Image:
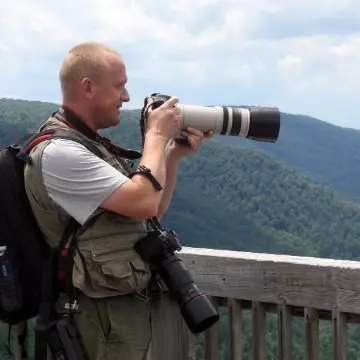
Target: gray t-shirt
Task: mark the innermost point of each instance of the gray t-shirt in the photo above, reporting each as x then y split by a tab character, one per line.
76	179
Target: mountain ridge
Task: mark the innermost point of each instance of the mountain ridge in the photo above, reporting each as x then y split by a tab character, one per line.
267	196
324	151
243	195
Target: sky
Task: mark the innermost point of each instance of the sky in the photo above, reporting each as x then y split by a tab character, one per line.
300	56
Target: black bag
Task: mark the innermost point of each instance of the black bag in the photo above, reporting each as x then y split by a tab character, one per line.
64	341
23	250
27	287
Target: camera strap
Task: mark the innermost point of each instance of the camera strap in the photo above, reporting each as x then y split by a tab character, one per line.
73	121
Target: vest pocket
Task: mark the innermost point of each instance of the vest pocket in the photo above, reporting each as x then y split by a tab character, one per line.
117	271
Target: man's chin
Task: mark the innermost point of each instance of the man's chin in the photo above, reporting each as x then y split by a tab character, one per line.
115	119
114	122
110	123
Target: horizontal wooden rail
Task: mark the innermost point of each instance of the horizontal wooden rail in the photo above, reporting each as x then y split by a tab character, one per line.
288	286
322	284
262	285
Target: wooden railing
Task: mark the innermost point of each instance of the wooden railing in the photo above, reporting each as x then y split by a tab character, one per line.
288	286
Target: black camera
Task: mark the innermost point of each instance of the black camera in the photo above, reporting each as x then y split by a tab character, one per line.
158	249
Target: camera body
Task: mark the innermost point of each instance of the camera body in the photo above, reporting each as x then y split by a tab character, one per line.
158	249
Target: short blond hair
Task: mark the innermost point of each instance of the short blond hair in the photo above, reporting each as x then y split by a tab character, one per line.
83	60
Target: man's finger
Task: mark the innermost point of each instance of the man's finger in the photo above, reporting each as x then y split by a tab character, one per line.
148	107
195	131
209	134
170	103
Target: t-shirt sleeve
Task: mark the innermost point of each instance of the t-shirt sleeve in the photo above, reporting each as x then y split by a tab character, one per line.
76	179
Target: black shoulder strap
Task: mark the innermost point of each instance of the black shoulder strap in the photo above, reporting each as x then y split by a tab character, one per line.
24	153
57	271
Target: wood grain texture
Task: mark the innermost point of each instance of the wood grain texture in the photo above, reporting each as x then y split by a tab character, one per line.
284	332
312	334
323	284
286	285
339	335
236	329
171	338
259	331
212	338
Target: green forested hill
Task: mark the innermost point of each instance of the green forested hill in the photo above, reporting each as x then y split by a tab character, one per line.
265	206
325	152
235	197
242	195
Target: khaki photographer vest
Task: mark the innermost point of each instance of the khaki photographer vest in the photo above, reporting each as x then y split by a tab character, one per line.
105	262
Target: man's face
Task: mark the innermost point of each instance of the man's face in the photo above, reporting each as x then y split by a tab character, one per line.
110	93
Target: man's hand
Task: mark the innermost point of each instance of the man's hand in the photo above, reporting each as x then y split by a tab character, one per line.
195	138
174	152
164	121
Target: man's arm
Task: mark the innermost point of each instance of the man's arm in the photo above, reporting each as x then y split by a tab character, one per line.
137	198
80	182
174	153
172	162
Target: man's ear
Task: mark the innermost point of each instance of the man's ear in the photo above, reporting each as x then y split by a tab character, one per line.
87	88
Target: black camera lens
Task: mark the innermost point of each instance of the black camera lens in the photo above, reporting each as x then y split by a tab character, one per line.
158	248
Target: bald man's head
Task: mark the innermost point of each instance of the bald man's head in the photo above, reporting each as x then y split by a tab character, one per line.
93	83
87	60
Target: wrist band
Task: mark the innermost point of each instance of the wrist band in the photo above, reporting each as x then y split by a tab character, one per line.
143	170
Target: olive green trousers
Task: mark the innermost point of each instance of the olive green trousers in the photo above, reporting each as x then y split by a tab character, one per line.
115	328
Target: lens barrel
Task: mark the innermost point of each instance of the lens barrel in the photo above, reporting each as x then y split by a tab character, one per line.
257	123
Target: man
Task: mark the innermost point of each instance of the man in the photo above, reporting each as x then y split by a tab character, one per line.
66	179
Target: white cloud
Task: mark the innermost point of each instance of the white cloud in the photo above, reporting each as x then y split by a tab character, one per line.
299	56
289	63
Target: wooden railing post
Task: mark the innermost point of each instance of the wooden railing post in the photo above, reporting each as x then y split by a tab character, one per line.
287	285
212	351
171	337
312	333
284	332
236	331
339	335
259	331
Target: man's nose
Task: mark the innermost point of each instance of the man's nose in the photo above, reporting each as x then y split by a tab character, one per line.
125	97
